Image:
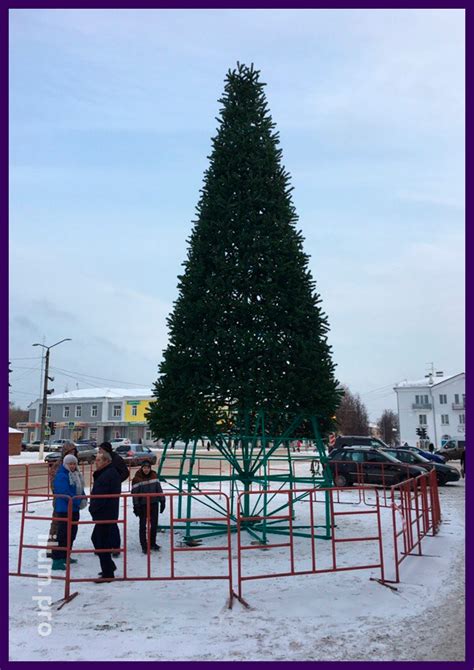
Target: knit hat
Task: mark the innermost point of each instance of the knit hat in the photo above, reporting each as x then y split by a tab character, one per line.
70	458
67	448
145	462
106	446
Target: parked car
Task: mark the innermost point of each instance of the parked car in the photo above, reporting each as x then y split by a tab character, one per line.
366	465
452	450
89	443
437	458
35	446
134	454
444	473
119	442
85	454
56	445
358	440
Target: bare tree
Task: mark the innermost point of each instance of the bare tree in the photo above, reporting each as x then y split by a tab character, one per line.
16	414
388	427
351	416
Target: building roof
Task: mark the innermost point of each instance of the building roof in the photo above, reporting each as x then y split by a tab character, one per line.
426	381
87	394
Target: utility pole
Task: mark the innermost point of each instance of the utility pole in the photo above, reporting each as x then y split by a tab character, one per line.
46	392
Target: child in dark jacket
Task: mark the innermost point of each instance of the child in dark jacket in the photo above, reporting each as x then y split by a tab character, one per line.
146	481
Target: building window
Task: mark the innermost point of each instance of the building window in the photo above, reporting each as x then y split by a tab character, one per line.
463	399
422	419
78	411
134	410
456	398
445	419
117	411
148	435
66	411
94	410
462	419
421	399
48	412
443	399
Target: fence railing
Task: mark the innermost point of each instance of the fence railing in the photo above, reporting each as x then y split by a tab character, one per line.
415	514
177	547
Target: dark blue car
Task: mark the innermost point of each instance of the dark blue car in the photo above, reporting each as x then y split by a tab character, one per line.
426	454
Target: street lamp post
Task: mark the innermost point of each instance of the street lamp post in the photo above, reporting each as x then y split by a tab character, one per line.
46	392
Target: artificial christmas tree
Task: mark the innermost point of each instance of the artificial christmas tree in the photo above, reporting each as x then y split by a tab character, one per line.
247	332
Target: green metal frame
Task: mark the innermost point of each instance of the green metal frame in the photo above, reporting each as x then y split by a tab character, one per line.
249	454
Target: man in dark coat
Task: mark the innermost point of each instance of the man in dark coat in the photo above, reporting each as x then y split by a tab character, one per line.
117	461
106	481
121	467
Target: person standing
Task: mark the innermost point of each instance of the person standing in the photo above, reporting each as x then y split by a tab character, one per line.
67	482
106	481
68	448
462	462
146	481
119	464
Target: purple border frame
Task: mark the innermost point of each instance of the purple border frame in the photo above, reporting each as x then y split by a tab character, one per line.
207	4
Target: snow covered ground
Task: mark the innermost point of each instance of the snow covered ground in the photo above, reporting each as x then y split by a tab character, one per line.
331	616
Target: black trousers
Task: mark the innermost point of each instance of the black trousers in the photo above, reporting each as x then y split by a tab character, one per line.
153	525
62	534
116	540
102	538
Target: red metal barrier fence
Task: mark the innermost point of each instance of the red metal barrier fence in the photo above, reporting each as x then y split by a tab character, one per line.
35	479
311	499
175	544
415	502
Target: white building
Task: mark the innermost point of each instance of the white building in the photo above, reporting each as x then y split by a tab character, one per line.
436	403
97	413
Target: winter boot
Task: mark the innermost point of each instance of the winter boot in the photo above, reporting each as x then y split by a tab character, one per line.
58	564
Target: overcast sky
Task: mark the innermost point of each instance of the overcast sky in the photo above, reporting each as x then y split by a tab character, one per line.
111	119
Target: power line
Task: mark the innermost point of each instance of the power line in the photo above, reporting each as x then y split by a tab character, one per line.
381	388
27	358
105	379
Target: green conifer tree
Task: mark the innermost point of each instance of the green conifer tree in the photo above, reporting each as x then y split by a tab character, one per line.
247	331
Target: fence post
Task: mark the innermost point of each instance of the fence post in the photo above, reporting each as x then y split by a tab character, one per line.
67	583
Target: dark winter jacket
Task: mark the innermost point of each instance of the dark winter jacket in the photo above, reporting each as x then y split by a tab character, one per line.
120	465
106	480
142	483
61	485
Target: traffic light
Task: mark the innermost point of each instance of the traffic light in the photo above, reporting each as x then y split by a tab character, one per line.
424	434
52	427
418	432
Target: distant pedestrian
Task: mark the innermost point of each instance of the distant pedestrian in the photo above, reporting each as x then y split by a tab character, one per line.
431	447
146	481
119	464
106	482
463	471
67	482
208	446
